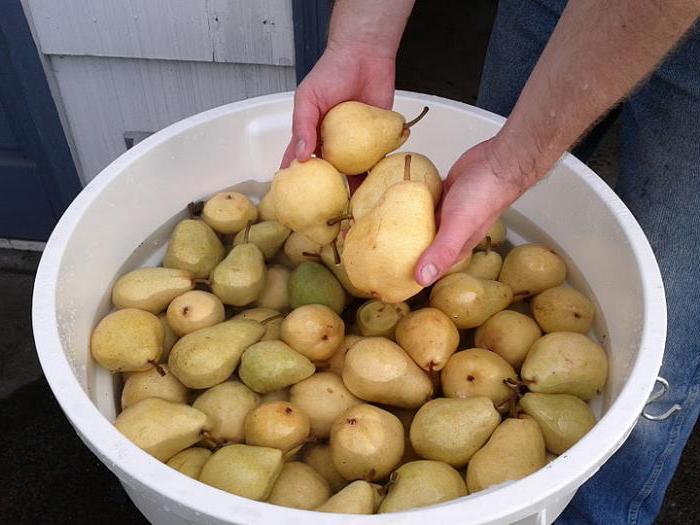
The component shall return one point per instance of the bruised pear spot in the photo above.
(351, 421)
(288, 411)
(470, 378)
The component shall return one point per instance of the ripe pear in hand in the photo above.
(495, 235)
(313, 283)
(366, 443)
(275, 295)
(128, 340)
(194, 247)
(532, 268)
(510, 334)
(515, 450)
(229, 212)
(154, 382)
(359, 497)
(378, 370)
(270, 365)
(271, 320)
(429, 337)
(389, 171)
(452, 430)
(313, 330)
(190, 461)
(307, 195)
(299, 487)
(469, 301)
(299, 248)
(563, 309)
(150, 289)
(563, 419)
(193, 311)
(565, 363)
(227, 406)
(209, 356)
(337, 361)
(266, 208)
(478, 372)
(379, 319)
(318, 456)
(420, 484)
(269, 236)
(162, 428)
(277, 424)
(243, 470)
(331, 256)
(355, 136)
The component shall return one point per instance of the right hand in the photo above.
(341, 74)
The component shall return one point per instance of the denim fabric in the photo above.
(660, 183)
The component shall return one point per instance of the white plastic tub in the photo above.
(141, 194)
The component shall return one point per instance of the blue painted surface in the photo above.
(310, 32)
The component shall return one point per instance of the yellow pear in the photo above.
(359, 497)
(478, 372)
(563, 309)
(300, 487)
(227, 406)
(229, 212)
(155, 382)
(266, 208)
(190, 461)
(278, 424)
(319, 457)
(269, 236)
(460, 265)
(485, 265)
(406, 417)
(428, 336)
(276, 395)
(150, 289)
(275, 295)
(379, 319)
(510, 334)
(270, 365)
(355, 136)
(313, 330)
(271, 319)
(299, 248)
(194, 247)
(169, 339)
(337, 360)
(331, 255)
(495, 235)
(193, 311)
(532, 268)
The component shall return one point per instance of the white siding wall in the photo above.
(139, 65)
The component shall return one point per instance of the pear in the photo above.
(319, 457)
(515, 450)
(469, 301)
(313, 330)
(276, 395)
(406, 417)
(155, 382)
(510, 334)
(300, 248)
(239, 279)
(270, 365)
(227, 406)
(209, 356)
(128, 340)
(300, 487)
(271, 319)
(275, 295)
(169, 337)
(459, 266)
(194, 247)
(359, 497)
(269, 236)
(337, 361)
(452, 430)
(420, 484)
(307, 196)
(478, 372)
(229, 212)
(495, 235)
(162, 428)
(366, 443)
(355, 136)
(485, 265)
(378, 370)
(324, 397)
(266, 208)
(150, 289)
(389, 171)
(190, 461)
(278, 424)
(243, 470)
(332, 258)
(313, 283)
(563, 419)
(429, 337)
(563, 309)
(193, 311)
(379, 319)
(382, 248)
(532, 268)
(565, 363)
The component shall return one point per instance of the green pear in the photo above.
(460, 265)
(509, 334)
(469, 301)
(227, 405)
(209, 356)
(190, 461)
(275, 295)
(162, 428)
(532, 268)
(271, 319)
(420, 484)
(154, 382)
(359, 497)
(332, 258)
(485, 265)
(563, 419)
(299, 248)
(169, 337)
(366, 443)
(452, 430)
(495, 235)
(565, 363)
(478, 372)
(239, 279)
(355, 136)
(313, 283)
(324, 397)
(313, 330)
(563, 309)
(229, 212)
(151, 289)
(428, 336)
(269, 236)
(300, 487)
(243, 470)
(277, 424)
(318, 456)
(379, 319)
(193, 311)
(194, 247)
(266, 208)
(270, 365)
(515, 450)
(378, 370)
(128, 340)
(337, 361)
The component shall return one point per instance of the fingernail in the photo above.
(301, 146)
(428, 274)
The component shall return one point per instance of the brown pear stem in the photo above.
(511, 383)
(161, 371)
(204, 282)
(513, 406)
(312, 255)
(271, 318)
(246, 233)
(422, 114)
(488, 244)
(336, 253)
(195, 208)
(339, 218)
(407, 168)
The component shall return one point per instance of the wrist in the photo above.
(360, 50)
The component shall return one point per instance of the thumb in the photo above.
(304, 123)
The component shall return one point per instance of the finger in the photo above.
(304, 122)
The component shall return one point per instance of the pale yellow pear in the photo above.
(269, 236)
(276, 395)
(428, 336)
(300, 487)
(313, 330)
(379, 319)
(169, 339)
(239, 279)
(193, 311)
(155, 382)
(510, 334)
(532, 268)
(359, 497)
(229, 212)
(485, 265)
(563, 309)
(460, 265)
(495, 235)
(337, 360)
(190, 461)
(270, 365)
(266, 208)
(194, 247)
(299, 248)
(275, 295)
(271, 320)
(318, 456)
(150, 289)
(227, 406)
(332, 258)
(277, 424)
(478, 372)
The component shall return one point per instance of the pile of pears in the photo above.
(283, 351)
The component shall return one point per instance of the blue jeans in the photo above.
(660, 183)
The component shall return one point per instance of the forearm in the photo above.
(597, 54)
(369, 26)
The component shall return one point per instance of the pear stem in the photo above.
(407, 168)
(246, 233)
(339, 218)
(422, 114)
(336, 253)
(204, 282)
(513, 407)
(488, 244)
(271, 318)
(312, 255)
(161, 371)
(195, 208)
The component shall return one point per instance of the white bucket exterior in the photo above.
(150, 184)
